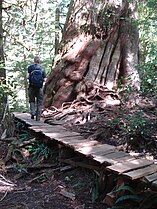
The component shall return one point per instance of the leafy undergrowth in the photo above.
(131, 129)
(31, 176)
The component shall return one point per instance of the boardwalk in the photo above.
(115, 161)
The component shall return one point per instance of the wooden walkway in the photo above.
(115, 161)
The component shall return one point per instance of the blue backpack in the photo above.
(36, 77)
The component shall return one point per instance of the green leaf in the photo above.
(128, 197)
(126, 188)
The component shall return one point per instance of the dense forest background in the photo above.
(84, 46)
(31, 28)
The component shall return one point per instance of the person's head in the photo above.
(36, 60)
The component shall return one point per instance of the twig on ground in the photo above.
(3, 196)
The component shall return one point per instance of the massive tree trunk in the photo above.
(100, 46)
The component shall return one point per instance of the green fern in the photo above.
(128, 197)
(95, 189)
(25, 135)
(125, 188)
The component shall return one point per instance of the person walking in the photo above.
(36, 77)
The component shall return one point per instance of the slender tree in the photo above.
(57, 30)
(3, 96)
(29, 30)
(99, 45)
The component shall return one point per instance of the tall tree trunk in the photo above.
(3, 96)
(57, 21)
(100, 45)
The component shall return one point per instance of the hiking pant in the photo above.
(35, 100)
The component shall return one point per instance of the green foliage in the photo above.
(139, 199)
(95, 188)
(39, 150)
(107, 15)
(69, 178)
(20, 168)
(148, 42)
(36, 148)
(7, 88)
(125, 188)
(148, 73)
(25, 135)
(128, 197)
(128, 194)
(79, 185)
(20, 126)
(135, 125)
(124, 90)
(152, 4)
(29, 30)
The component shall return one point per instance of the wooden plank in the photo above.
(61, 133)
(151, 177)
(77, 142)
(21, 114)
(136, 174)
(117, 154)
(129, 166)
(112, 158)
(102, 159)
(57, 136)
(47, 128)
(72, 140)
(33, 122)
(54, 122)
(52, 132)
(84, 143)
(26, 117)
(96, 149)
(154, 183)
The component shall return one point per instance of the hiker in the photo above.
(36, 77)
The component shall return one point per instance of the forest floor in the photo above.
(31, 176)
(36, 182)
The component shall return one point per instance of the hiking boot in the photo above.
(32, 116)
(38, 118)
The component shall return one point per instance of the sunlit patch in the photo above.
(5, 188)
(76, 46)
(89, 144)
(130, 57)
(85, 150)
(116, 4)
(6, 185)
(110, 85)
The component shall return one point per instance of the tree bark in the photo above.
(57, 21)
(3, 96)
(100, 45)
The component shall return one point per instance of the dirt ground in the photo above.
(57, 187)
(49, 193)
